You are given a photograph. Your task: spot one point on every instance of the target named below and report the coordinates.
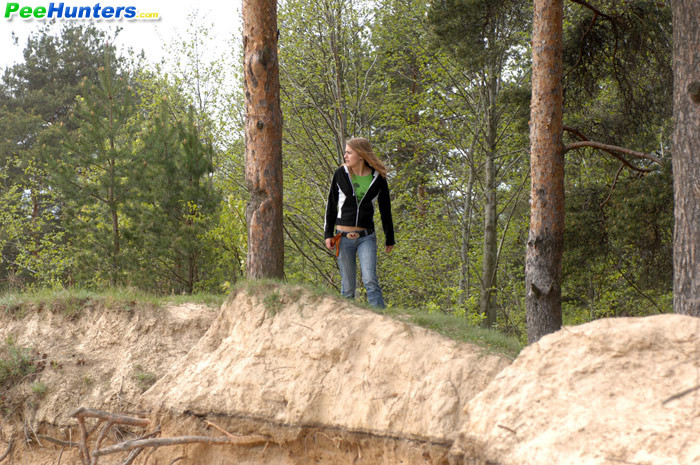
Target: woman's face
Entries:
(352, 159)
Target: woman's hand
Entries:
(328, 244)
(389, 248)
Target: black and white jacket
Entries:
(343, 209)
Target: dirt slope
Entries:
(325, 382)
(614, 391)
(307, 364)
(91, 360)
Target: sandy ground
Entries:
(311, 379)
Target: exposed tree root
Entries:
(106, 421)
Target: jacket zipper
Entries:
(357, 213)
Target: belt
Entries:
(356, 234)
(335, 240)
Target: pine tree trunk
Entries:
(545, 240)
(263, 133)
(488, 276)
(686, 156)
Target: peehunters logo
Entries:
(60, 11)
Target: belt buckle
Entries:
(353, 235)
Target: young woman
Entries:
(355, 188)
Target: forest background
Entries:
(118, 172)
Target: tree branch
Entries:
(593, 9)
(7, 451)
(612, 188)
(583, 137)
(580, 49)
(575, 132)
(611, 149)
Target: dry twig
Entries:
(233, 437)
(59, 442)
(7, 451)
(159, 442)
(83, 412)
(681, 394)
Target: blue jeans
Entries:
(366, 249)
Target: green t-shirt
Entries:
(361, 185)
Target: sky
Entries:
(146, 34)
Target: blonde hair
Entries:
(362, 147)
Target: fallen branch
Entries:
(134, 453)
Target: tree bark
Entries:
(263, 133)
(488, 276)
(546, 236)
(686, 156)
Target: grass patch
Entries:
(459, 329)
(274, 294)
(292, 289)
(39, 389)
(210, 300)
(273, 303)
(144, 379)
(73, 301)
(258, 287)
(16, 363)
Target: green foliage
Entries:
(94, 175)
(618, 72)
(439, 89)
(479, 32)
(36, 97)
(618, 261)
(175, 208)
